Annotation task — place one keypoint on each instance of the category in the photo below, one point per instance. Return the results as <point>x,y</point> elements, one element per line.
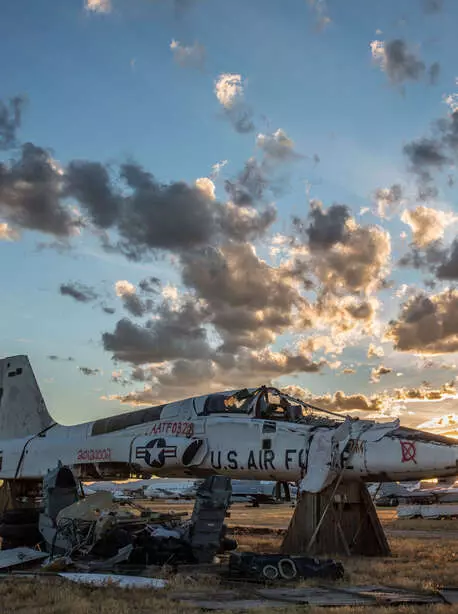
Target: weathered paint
<point>182,441</point>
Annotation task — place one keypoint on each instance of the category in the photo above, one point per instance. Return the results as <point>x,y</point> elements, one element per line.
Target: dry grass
<point>416,563</point>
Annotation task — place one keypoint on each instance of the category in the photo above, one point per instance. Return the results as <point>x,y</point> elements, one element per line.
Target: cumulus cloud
<point>428,225</point>
<point>173,217</point>
<point>349,371</point>
<point>131,301</point>
<point>207,186</point>
<point>188,56</point>
<point>348,257</point>
<point>388,199</point>
<point>30,194</point>
<point>78,291</point>
<point>150,285</point>
<point>339,401</point>
<point>229,88</point>
<point>248,301</point>
<point>375,351</point>
<point>427,324</point>
<point>248,188</point>
<point>377,372</point>
<point>184,378</point>
<point>277,147</point>
<point>88,371</point>
<point>173,334</point>
<point>399,63</point>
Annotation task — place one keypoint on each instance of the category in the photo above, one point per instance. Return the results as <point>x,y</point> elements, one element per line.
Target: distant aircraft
<point>171,489</point>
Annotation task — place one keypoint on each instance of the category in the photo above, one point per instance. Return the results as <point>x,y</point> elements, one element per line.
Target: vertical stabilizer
<point>23,411</point>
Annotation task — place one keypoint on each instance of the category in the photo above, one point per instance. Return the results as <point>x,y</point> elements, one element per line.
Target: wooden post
<point>346,520</point>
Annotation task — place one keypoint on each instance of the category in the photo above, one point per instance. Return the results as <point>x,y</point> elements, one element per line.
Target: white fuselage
<point>236,445</point>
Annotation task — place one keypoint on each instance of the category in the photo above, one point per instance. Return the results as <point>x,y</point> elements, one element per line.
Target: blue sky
<point>106,87</point>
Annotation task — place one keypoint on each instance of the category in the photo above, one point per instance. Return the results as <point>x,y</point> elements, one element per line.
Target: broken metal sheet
<point>349,596</point>
<point>19,556</point>
<point>88,508</point>
<point>107,564</point>
<point>315,596</point>
<point>449,594</point>
<point>98,579</point>
<point>320,472</point>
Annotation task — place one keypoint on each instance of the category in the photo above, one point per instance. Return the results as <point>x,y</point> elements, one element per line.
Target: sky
<point>202,195</point>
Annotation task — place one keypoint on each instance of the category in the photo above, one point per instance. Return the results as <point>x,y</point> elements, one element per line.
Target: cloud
<point>30,194</point>
<point>173,334</point>
<point>207,186</point>
<point>400,63</point>
<point>277,147</point>
<point>249,186</point>
<point>427,324</point>
<point>150,285</point>
<point>426,155</point>
<point>7,233</point>
<point>349,371</point>
<point>246,300</point>
<point>388,199</point>
<point>131,301</point>
<point>89,183</point>
<point>88,371</point>
<point>229,88</point>
<point>375,351</point>
<point>428,225</point>
<point>173,217</point>
<point>377,372</point>
<point>184,378</point>
<point>98,6</point>
<point>78,291</point>
<point>327,227</point>
<point>10,121</point>
<point>339,401</point>
<point>55,358</point>
<point>188,56</point>
<point>359,263</point>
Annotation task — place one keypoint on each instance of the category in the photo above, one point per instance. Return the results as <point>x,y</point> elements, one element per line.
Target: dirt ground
<point>422,560</point>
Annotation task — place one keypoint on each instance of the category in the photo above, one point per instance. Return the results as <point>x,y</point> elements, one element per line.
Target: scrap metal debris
<point>282,567</point>
<point>19,556</point>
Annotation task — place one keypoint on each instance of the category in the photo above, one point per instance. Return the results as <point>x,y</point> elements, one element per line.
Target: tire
<point>287,574</point>
<point>20,516</point>
<point>270,572</point>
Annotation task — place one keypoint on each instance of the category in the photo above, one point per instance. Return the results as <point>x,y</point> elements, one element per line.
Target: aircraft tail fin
<point>23,410</point>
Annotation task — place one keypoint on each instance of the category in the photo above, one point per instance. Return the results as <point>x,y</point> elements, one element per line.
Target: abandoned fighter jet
<point>259,434</point>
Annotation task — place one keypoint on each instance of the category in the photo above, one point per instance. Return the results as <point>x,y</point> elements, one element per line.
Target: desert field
<point>424,556</point>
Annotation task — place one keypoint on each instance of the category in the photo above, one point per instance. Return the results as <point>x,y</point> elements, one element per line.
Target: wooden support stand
<point>336,521</point>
